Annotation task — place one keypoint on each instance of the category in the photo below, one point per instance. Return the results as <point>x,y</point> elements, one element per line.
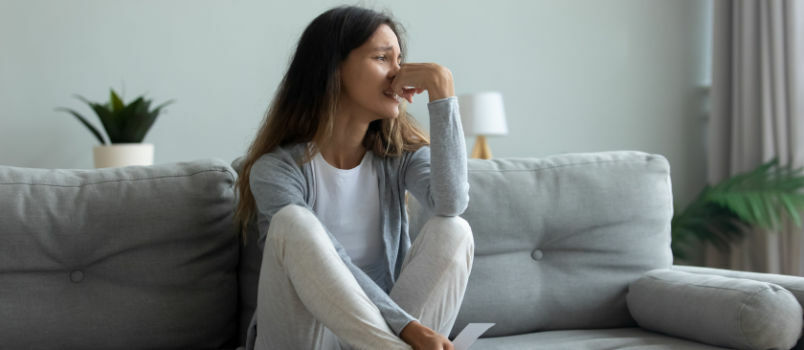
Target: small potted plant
<point>126,126</point>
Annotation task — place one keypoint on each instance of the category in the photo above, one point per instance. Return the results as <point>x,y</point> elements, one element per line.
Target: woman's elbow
<point>454,207</point>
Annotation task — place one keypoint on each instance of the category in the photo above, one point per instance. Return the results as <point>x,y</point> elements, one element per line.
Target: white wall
<point>577,76</point>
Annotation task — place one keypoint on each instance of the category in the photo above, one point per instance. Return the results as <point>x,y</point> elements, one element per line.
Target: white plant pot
<point>123,154</point>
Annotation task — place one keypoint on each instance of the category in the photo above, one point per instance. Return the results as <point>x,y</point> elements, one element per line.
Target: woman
<point>326,178</point>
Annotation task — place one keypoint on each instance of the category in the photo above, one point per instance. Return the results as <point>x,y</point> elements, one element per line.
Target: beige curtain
<point>757,86</point>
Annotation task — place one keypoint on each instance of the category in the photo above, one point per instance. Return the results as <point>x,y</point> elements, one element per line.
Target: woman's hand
<point>414,78</point>
<point>422,338</point>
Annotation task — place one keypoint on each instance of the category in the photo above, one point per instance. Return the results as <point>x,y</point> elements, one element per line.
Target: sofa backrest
<point>118,258</point>
<point>558,239</point>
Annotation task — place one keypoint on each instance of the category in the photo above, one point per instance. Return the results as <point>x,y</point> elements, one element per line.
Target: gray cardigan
<point>276,180</point>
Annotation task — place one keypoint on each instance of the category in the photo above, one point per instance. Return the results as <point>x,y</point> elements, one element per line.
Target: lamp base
<point>481,149</point>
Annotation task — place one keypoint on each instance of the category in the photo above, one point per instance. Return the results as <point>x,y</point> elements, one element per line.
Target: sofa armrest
<point>724,311</point>
<point>794,284</point>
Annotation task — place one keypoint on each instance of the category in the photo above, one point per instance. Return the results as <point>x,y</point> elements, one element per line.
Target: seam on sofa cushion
<point>792,289</point>
<point>121,180</point>
<point>705,286</point>
<point>555,166</point>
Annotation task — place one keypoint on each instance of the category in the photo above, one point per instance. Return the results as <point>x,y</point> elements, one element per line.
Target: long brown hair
<point>303,107</point>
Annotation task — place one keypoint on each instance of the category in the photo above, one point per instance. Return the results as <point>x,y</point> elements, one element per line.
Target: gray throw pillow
<point>731,312</point>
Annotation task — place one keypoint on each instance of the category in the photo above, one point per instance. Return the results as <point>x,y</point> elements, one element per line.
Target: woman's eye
<point>383,58</point>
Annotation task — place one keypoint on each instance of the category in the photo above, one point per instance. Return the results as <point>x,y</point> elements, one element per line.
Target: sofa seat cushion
<point>616,338</point>
<point>118,258</point>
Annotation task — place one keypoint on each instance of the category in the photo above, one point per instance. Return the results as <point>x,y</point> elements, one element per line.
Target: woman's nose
<point>395,67</point>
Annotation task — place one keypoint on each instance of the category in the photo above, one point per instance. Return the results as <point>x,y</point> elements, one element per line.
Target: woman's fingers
<point>408,81</point>
<point>407,91</point>
<point>412,79</point>
<point>408,94</point>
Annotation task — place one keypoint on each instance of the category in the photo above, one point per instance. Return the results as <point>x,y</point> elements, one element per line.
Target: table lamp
<point>482,115</point>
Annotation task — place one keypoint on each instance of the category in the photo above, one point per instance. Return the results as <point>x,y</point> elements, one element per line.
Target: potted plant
<point>126,126</point>
<point>725,212</point>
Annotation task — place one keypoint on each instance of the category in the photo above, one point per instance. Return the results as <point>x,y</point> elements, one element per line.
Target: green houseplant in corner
<point>125,126</point>
<point>725,212</point>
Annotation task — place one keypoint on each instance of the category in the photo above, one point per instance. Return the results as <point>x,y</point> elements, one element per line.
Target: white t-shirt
<point>348,204</point>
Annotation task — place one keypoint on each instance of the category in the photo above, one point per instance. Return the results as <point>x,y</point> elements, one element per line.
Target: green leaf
<point>105,116</point>
<point>791,210</point>
<point>148,122</point>
<point>117,103</point>
<point>109,121</point>
<point>131,117</point>
<point>85,122</point>
<point>739,206</point>
<point>158,108</point>
<point>82,98</point>
<point>771,209</point>
<point>139,119</point>
<point>144,107</point>
<point>753,202</point>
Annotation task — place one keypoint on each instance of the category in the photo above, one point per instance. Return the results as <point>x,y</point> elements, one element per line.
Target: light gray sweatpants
<point>308,299</point>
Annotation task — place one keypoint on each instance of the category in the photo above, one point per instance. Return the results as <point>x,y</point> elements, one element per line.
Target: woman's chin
<point>391,114</point>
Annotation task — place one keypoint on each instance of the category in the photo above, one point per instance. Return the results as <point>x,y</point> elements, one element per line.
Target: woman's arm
<point>437,175</point>
<point>440,183</point>
<point>276,181</point>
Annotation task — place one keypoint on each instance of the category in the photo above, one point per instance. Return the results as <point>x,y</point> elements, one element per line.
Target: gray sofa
<point>572,252</point>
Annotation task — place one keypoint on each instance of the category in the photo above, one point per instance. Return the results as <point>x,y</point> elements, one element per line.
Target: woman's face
<point>367,74</point>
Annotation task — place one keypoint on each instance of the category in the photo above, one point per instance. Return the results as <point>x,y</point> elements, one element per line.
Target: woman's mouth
<point>392,95</point>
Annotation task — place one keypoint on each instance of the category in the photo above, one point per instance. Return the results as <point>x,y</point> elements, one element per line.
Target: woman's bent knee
<point>289,219</point>
<point>289,214</point>
<point>295,227</point>
<point>449,230</point>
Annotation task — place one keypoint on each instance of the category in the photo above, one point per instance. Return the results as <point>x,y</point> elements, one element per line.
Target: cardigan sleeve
<point>276,181</point>
<point>440,184</point>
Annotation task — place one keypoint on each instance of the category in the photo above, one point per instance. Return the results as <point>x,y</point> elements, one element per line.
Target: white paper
<point>469,335</point>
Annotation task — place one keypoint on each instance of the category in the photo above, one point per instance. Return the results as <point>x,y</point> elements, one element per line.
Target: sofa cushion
<point>118,258</point>
<point>619,338</point>
<point>558,239</point>
<point>732,312</point>
<point>795,284</point>
<point>249,268</point>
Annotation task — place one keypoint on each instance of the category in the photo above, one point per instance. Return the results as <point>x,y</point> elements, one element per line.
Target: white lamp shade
<point>482,114</point>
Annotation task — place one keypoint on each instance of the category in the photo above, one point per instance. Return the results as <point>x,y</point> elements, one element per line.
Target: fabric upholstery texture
<point>118,258</point>
<point>794,284</point>
<point>732,312</point>
<point>592,339</point>
<point>558,239</point>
